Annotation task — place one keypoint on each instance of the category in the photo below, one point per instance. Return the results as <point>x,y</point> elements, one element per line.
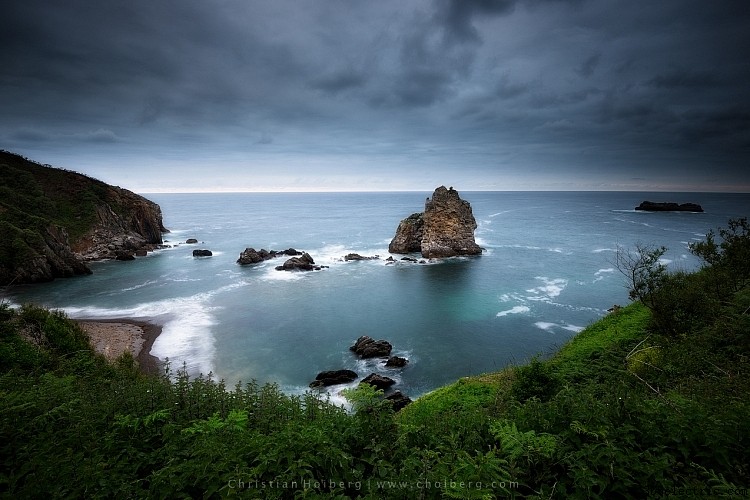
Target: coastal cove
<point>545,273</point>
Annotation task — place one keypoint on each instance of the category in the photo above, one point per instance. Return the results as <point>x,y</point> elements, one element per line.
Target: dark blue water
<point>546,273</point>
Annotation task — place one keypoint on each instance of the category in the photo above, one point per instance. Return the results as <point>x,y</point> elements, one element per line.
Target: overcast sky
<point>238,95</point>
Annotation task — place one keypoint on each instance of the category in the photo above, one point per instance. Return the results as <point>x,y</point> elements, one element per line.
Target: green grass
<point>623,410</point>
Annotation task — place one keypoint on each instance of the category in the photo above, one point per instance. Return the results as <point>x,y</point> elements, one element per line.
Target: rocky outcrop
<point>378,381</point>
<point>652,206</point>
<point>396,362</point>
<point>202,253</point>
<point>302,263</point>
<point>398,400</point>
<point>355,256</point>
<point>366,347</point>
<point>444,229</point>
<point>408,237</point>
<point>52,258</point>
<point>253,256</point>
<point>52,221</point>
<point>125,222</point>
<point>333,377</point>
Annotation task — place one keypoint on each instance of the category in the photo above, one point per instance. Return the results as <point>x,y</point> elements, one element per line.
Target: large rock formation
<point>53,220</point>
<point>444,229</point>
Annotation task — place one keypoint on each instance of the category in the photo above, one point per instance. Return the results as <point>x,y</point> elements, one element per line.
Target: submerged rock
<point>444,229</point>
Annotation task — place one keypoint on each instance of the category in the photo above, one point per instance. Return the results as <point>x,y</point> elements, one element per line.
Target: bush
<point>535,380</point>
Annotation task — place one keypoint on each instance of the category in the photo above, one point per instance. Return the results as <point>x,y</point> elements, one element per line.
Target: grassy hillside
<point>627,409</point>
<point>61,197</point>
<point>45,211</point>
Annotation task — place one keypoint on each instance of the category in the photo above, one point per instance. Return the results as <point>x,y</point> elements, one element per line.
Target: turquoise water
<point>545,274</point>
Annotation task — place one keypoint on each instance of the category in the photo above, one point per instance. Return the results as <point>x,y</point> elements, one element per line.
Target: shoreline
<point>112,337</point>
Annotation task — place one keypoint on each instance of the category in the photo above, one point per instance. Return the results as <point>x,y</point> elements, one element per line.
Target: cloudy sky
<point>242,95</point>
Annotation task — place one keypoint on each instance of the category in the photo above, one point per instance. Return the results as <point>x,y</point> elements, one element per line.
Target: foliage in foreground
<point>650,401</point>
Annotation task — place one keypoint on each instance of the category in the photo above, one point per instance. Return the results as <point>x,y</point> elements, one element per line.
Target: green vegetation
<point>36,200</point>
<point>650,401</point>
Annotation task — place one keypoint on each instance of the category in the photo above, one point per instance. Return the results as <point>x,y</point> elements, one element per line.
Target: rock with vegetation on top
<point>444,229</point>
<point>54,220</point>
<point>399,400</point>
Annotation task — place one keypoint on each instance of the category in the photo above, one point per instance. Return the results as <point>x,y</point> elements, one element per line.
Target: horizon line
<point>332,191</point>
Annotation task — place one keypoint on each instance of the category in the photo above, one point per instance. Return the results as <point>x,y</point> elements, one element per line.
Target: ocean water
<point>547,272</point>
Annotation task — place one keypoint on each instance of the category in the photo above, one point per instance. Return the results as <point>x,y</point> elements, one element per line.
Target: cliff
<point>52,221</point>
<point>444,229</point>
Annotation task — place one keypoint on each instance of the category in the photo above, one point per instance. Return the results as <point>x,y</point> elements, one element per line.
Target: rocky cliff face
<point>137,225</point>
<point>53,220</point>
<point>444,229</point>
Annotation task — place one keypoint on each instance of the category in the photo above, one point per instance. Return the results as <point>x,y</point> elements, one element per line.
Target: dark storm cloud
<point>577,89</point>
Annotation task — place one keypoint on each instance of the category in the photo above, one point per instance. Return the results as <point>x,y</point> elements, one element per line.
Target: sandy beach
<point>114,337</point>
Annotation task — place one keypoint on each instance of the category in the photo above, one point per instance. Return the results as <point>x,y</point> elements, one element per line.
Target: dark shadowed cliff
<point>53,220</point>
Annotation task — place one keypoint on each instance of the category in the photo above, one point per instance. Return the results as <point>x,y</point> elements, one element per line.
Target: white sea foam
<point>544,325</point>
<point>186,322</point>
<point>600,250</point>
<point>136,287</point>
<point>599,275</point>
<point>513,310</point>
<point>548,327</point>
<point>550,289</point>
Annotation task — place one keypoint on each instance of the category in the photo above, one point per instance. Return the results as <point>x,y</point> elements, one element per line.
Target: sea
<point>547,271</point>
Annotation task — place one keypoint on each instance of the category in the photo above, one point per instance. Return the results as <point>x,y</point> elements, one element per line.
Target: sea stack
<point>444,229</point>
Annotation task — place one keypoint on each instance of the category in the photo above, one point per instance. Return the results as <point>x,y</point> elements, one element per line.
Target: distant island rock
<point>444,229</point>
<point>651,206</point>
<point>53,221</point>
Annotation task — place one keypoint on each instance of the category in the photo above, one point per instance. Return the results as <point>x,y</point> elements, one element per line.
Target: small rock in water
<point>333,377</point>
<point>366,347</point>
<point>396,362</point>
<point>378,381</point>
